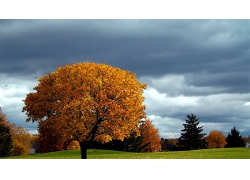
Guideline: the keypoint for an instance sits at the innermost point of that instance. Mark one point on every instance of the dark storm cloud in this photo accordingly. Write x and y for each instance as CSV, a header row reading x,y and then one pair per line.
x,y
232,82
147,47
190,66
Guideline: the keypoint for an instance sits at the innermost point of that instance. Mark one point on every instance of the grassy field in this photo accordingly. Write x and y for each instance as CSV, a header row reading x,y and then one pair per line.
x,y
221,153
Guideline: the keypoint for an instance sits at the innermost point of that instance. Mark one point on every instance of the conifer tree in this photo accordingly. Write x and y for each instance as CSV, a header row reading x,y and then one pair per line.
x,y
5,136
234,139
192,136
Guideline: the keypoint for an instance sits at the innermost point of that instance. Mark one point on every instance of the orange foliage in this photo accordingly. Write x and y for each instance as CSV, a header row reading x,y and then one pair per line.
x,y
150,136
49,139
21,140
216,139
86,102
74,145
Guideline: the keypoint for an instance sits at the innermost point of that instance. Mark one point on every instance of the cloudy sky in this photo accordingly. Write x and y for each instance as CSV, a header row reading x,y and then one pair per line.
x,y
190,66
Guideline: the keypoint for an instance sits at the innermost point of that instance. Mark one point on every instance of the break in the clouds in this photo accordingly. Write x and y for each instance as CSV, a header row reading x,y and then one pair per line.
x,y
12,92
190,66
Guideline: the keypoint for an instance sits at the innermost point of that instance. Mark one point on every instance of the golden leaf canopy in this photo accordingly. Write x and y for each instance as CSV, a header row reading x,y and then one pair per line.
x,y
83,99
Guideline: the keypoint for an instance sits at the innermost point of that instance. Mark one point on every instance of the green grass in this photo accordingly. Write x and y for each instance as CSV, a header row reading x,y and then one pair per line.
x,y
221,153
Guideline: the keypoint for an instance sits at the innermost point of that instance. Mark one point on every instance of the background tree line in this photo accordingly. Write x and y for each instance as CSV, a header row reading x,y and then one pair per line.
x,y
90,105
193,138
15,140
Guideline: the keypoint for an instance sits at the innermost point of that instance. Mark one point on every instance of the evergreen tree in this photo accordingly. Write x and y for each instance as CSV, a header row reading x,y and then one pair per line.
x,y
133,143
5,136
5,141
234,139
192,136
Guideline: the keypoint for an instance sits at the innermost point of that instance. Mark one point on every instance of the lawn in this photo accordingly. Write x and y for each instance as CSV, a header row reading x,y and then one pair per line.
x,y
220,153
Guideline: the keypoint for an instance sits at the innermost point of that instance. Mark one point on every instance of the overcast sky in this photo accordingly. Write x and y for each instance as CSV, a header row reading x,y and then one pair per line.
x,y
190,66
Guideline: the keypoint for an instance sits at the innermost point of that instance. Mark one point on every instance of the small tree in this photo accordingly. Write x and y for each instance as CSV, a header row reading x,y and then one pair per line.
x,y
21,140
234,139
150,137
6,142
192,136
216,139
133,143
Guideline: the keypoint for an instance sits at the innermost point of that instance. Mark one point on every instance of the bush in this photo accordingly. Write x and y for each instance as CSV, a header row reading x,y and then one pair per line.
x,y
74,145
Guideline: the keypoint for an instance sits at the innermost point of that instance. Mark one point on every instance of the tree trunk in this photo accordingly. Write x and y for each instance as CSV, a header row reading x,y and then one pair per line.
x,y
83,150
86,144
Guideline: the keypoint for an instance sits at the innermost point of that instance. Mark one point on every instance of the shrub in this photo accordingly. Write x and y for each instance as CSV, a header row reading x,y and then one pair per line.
x,y
74,145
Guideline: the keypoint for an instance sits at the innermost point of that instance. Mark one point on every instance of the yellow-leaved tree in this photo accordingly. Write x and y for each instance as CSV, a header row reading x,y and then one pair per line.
x,y
21,140
88,102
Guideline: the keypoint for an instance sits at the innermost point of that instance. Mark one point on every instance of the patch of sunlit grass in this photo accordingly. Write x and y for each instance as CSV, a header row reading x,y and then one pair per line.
x,y
219,153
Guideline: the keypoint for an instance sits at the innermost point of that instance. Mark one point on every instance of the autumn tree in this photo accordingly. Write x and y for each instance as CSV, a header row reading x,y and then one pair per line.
x,y
88,102
21,140
216,139
6,142
150,137
192,136
234,139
